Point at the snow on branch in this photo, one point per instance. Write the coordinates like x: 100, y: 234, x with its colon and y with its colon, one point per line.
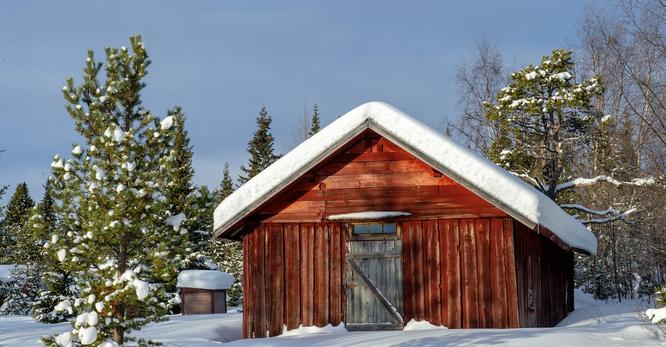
x: 609, y: 211
x: 525, y: 176
x: 587, y: 182
x: 619, y: 216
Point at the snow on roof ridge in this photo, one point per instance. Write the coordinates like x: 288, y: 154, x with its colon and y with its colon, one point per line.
x: 509, y: 193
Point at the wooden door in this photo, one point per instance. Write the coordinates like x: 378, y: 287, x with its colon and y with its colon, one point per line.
x: 374, y: 285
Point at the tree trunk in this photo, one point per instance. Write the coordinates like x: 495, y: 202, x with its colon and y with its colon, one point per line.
x: 119, y: 309
x: 616, y: 283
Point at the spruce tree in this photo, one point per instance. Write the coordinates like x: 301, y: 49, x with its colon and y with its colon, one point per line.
x: 178, y: 192
x: 260, y: 148
x: 200, y: 221
x: 228, y: 254
x: 22, y: 291
x: 314, y: 127
x: 17, y: 213
x: 226, y: 185
x: 117, y: 234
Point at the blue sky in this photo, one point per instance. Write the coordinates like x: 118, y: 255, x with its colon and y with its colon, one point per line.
x: 223, y: 60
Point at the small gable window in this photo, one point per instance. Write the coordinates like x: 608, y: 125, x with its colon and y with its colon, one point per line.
x: 374, y: 228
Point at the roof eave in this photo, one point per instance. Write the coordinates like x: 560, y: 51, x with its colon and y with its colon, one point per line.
x: 223, y: 230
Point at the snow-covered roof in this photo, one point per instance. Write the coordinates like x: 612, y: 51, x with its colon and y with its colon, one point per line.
x: 513, y: 196
x: 205, y: 279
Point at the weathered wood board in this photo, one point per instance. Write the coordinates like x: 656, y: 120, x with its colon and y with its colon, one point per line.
x: 374, y: 285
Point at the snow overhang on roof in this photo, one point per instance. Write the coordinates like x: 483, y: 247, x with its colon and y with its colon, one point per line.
x: 205, y: 279
x: 513, y: 196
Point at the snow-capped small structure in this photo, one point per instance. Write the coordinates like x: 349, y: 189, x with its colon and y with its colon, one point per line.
x: 204, y: 291
x: 377, y: 220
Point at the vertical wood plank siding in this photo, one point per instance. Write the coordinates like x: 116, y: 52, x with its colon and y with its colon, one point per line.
x: 459, y: 272
x: 294, y: 275
x: 202, y: 301
x: 544, y: 278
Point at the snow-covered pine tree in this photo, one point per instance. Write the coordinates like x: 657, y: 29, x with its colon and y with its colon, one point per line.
x: 178, y: 192
x: 185, y: 201
x: 546, y: 114
x: 314, y: 127
x: 551, y: 130
x: 58, y: 284
x: 24, y: 250
x: 548, y: 121
x: 200, y: 220
x: 120, y: 240
x: 260, y: 148
x: 226, y: 185
x: 17, y: 213
x: 228, y: 254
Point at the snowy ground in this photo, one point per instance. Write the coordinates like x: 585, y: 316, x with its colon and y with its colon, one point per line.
x: 192, y: 330
x: 594, y: 323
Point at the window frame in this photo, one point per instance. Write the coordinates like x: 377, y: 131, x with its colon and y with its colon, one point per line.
x: 352, y: 235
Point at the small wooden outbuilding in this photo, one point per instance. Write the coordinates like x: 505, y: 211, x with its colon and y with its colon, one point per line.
x: 203, y: 291
x: 378, y: 219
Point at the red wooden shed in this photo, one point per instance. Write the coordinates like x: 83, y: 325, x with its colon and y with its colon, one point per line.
x: 378, y: 219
